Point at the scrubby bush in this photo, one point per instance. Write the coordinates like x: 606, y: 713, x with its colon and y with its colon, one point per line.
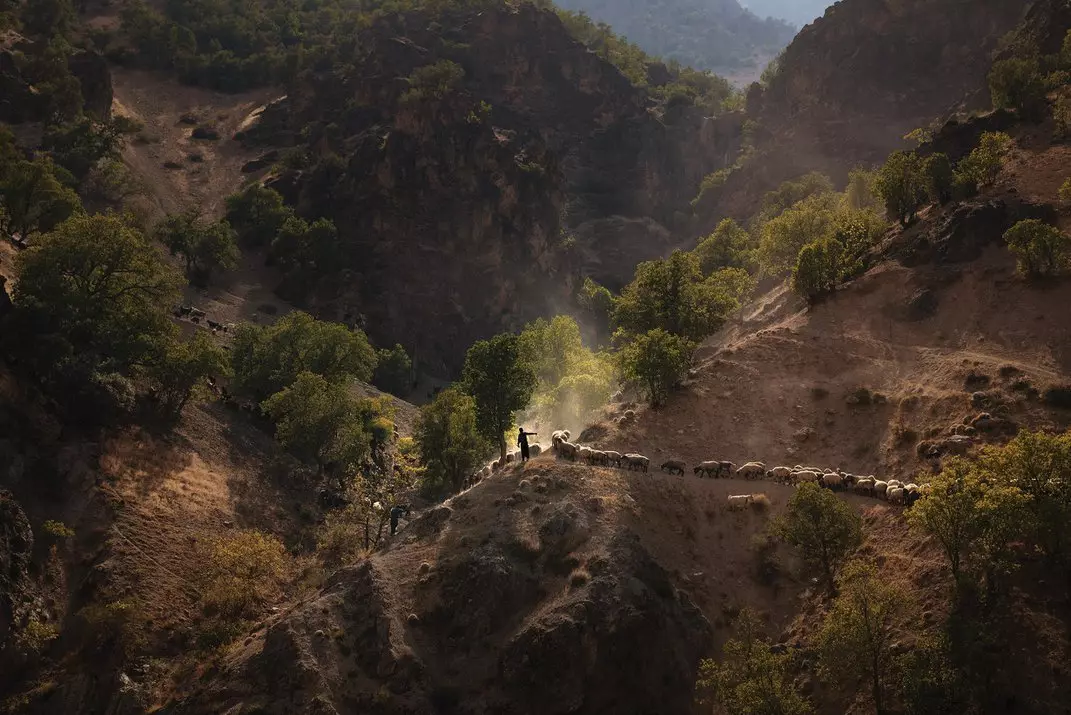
x: 857, y: 636
x: 257, y: 214
x: 941, y: 177
x: 785, y: 234
x: 729, y: 246
x: 268, y: 359
x: 319, y: 421
x: 1040, y: 249
x: 394, y: 371
x: 903, y: 185
x: 180, y: 370
x: 818, y: 269
x: 241, y: 574
x: 656, y: 361
x: 861, y: 192
x: 500, y: 382
x: 1017, y: 83
x: 982, y: 166
x: 749, y: 678
x: 673, y: 295
x: 32, y: 195
x: 204, y: 246
x: 451, y: 447
x: 433, y: 81
x: 824, y: 527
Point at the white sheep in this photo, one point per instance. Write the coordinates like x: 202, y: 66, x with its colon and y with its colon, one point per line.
x: 568, y: 450
x: 896, y: 495
x: 637, y: 461
x: 781, y: 474
x: 557, y: 436
x: 597, y: 456
x: 739, y: 501
x: 880, y: 488
x: 864, y: 486
x: 583, y: 453
x: 832, y: 481
x: 614, y: 458
x: 751, y: 470
x: 805, y: 475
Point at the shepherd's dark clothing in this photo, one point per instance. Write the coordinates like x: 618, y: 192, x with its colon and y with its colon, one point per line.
x: 395, y: 513
x: 522, y: 442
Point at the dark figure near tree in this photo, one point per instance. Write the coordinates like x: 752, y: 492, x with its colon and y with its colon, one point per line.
x: 522, y: 442
x: 397, y: 512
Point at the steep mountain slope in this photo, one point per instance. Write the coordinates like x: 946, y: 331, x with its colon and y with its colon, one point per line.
x: 716, y: 35
x: 854, y: 82
x: 456, y: 157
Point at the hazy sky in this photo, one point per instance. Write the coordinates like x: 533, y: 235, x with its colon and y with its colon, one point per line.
x: 798, y: 12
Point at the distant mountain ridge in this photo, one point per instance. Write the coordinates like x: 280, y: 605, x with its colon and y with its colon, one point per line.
x: 718, y: 35
x: 797, y: 12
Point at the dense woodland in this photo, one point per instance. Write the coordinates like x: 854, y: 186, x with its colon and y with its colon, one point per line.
x: 95, y: 296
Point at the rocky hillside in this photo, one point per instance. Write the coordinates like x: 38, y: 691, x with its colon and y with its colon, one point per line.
x: 717, y: 35
x: 854, y: 82
x: 476, y: 166
x: 797, y: 12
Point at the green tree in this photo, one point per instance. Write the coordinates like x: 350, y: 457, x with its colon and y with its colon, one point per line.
x: 823, y: 527
x: 941, y: 176
x: 1040, y: 249
x: 394, y: 371
x: 180, y: 370
x: 450, y: 444
x: 903, y: 185
x: 599, y: 303
x: 657, y: 361
x: 319, y: 421
x: 80, y: 145
x: 973, y: 515
x: 856, y: 638
x: 818, y: 269
x: 792, y: 192
x: 204, y: 247
x: 257, y: 214
x: 49, y: 18
x: 267, y: 359
x: 673, y: 295
x: 97, y: 289
x: 500, y: 383
x: 433, y: 81
x: 1017, y: 83
x: 1039, y: 465
x: 33, y: 199
x: 730, y: 246
x: 982, y: 166
x: 750, y: 679
x: 784, y: 235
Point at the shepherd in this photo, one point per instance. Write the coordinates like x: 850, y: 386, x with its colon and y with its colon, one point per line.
x: 395, y: 513
x: 522, y: 442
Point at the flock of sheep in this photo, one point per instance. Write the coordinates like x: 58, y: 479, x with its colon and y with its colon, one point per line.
x: 892, y: 490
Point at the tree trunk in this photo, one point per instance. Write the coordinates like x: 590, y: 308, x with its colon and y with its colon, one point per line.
x: 502, y: 448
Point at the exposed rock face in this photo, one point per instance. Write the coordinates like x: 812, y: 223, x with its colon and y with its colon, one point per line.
x: 457, y: 203
x: 856, y: 80
x: 16, y: 548
x: 95, y: 79
x: 493, y: 626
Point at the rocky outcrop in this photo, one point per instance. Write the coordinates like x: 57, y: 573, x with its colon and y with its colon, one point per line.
x: 16, y: 549
x: 493, y: 624
x: 454, y: 203
x: 855, y: 81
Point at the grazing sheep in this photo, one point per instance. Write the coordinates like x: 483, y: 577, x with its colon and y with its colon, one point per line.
x: 739, y: 501
x: 751, y: 470
x: 583, y: 453
x: 831, y: 481
x: 673, y: 466
x: 568, y: 450
x: 614, y: 458
x: 496, y: 465
x: 713, y: 468
x: 864, y: 486
x: 805, y: 475
x: 896, y: 495
x: 558, y: 436
x: 637, y: 461
x: 198, y: 313
x: 781, y: 474
x: 893, y: 483
x: 598, y: 457
x: 880, y: 488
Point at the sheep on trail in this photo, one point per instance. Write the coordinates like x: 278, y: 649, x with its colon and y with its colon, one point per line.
x: 879, y: 489
x: 896, y: 495
x: 831, y: 481
x: 637, y: 461
x: 805, y: 475
x: 568, y: 450
x: 583, y: 453
x: 614, y: 458
x: 713, y: 468
x: 780, y: 474
x: 751, y: 470
x: 739, y: 501
x: 557, y: 436
x: 673, y: 466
